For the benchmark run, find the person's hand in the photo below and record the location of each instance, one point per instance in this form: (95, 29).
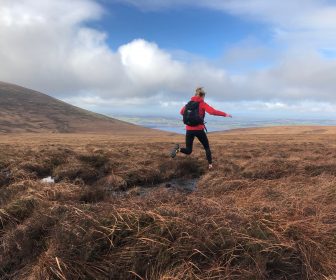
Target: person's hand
(229, 116)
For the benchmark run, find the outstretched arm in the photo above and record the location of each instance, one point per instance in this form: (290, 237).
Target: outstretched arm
(212, 111)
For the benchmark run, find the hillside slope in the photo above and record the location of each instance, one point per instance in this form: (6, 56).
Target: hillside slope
(25, 110)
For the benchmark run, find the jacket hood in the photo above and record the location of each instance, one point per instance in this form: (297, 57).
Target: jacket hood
(197, 99)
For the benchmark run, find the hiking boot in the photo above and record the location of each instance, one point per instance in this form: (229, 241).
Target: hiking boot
(175, 150)
(210, 166)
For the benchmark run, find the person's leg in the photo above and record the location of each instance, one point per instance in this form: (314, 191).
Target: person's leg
(202, 137)
(189, 143)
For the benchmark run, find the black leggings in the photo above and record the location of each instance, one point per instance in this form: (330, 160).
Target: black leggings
(202, 137)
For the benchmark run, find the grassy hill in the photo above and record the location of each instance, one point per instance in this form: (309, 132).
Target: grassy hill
(25, 110)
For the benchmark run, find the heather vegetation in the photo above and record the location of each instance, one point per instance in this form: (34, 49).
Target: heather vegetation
(266, 211)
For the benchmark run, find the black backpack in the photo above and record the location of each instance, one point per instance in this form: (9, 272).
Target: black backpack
(191, 115)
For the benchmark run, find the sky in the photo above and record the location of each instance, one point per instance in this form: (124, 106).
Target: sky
(255, 58)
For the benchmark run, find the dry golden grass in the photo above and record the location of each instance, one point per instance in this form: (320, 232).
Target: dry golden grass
(308, 129)
(267, 210)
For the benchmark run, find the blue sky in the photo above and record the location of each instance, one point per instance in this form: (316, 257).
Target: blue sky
(200, 31)
(121, 57)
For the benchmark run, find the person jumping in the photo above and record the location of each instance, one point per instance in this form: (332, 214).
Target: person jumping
(193, 116)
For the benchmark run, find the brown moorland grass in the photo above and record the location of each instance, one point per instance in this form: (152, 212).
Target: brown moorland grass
(267, 210)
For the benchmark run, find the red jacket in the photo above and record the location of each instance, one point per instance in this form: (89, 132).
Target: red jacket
(203, 107)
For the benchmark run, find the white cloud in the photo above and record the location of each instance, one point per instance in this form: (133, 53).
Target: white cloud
(147, 66)
(39, 39)
(47, 45)
(32, 12)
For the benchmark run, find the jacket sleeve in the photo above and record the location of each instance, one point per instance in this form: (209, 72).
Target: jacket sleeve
(182, 110)
(212, 111)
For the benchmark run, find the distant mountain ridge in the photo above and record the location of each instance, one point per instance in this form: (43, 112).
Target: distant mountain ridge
(26, 110)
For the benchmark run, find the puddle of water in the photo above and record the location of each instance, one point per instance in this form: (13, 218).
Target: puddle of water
(48, 180)
(184, 185)
(188, 185)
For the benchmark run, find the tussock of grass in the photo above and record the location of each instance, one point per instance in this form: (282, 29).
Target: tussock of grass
(35, 168)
